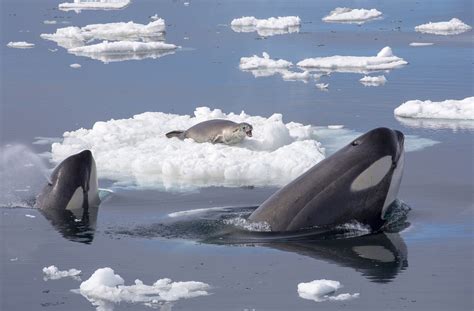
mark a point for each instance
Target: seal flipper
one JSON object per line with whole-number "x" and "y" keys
{"x": 179, "y": 134}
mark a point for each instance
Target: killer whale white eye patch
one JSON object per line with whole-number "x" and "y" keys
{"x": 372, "y": 175}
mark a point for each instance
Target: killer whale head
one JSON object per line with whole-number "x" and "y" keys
{"x": 357, "y": 183}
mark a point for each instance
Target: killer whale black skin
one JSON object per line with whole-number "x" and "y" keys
{"x": 71, "y": 195}
{"x": 358, "y": 182}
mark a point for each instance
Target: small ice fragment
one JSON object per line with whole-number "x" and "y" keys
{"x": 373, "y": 81}
{"x": 449, "y": 109}
{"x": 14, "y": 259}
{"x": 347, "y": 15}
{"x": 79, "y": 5}
{"x": 20, "y": 45}
{"x": 53, "y": 50}
{"x": 154, "y": 17}
{"x": 453, "y": 27}
{"x": 30, "y": 216}
{"x": 186, "y": 3}
{"x": 421, "y": 43}
{"x": 323, "y": 290}
{"x": 322, "y": 86}
{"x": 50, "y": 22}
{"x": 75, "y": 66}
{"x": 335, "y": 127}
{"x": 53, "y": 273}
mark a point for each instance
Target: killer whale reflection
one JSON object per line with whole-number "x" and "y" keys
{"x": 379, "y": 256}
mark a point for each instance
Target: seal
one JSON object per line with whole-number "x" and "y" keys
{"x": 357, "y": 183}
{"x": 215, "y": 131}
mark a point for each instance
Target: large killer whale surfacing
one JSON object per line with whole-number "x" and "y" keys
{"x": 357, "y": 183}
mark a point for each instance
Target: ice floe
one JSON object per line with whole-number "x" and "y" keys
{"x": 384, "y": 60}
{"x": 53, "y": 273}
{"x": 347, "y": 15}
{"x": 453, "y": 27}
{"x": 267, "y": 27}
{"x": 79, "y": 5}
{"x": 75, "y": 66}
{"x": 323, "y": 290}
{"x": 105, "y": 288}
{"x": 421, "y": 43}
{"x": 20, "y": 45}
{"x": 449, "y": 109}
{"x": 124, "y": 50}
{"x": 373, "y": 81}
{"x": 322, "y": 86}
{"x": 265, "y": 67}
{"x": 135, "y": 151}
{"x": 70, "y": 37}
{"x": 50, "y": 22}
{"x": 30, "y": 216}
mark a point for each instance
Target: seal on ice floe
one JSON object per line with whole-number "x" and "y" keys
{"x": 215, "y": 131}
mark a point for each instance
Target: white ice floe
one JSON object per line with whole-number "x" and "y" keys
{"x": 75, "y": 66}
{"x": 323, "y": 290}
{"x": 267, "y": 27}
{"x": 449, "y": 109}
{"x": 265, "y": 67}
{"x": 385, "y": 60}
{"x": 124, "y": 50}
{"x": 421, "y": 43}
{"x": 347, "y": 15}
{"x": 20, "y": 45}
{"x": 154, "y": 17}
{"x": 30, "y": 216}
{"x": 453, "y": 27}
{"x": 53, "y": 273}
{"x": 335, "y": 127}
{"x": 322, "y": 86}
{"x": 136, "y": 152}
{"x": 50, "y": 22}
{"x": 105, "y": 288}
{"x": 71, "y": 37}
{"x": 373, "y": 81}
{"x": 79, "y": 5}
{"x": 186, "y": 3}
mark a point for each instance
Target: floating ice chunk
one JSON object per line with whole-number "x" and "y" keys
{"x": 135, "y": 151}
{"x": 385, "y": 60}
{"x": 373, "y": 81}
{"x": 75, "y": 66}
{"x": 104, "y": 288}
{"x": 265, "y": 62}
{"x": 347, "y": 15}
{"x": 30, "y": 216}
{"x": 124, "y": 50}
{"x": 421, "y": 43}
{"x": 50, "y": 22}
{"x": 53, "y": 50}
{"x": 186, "y": 3}
{"x": 20, "y": 45}
{"x": 70, "y": 37}
{"x": 154, "y": 17}
{"x": 448, "y": 109}
{"x": 335, "y": 127}
{"x": 453, "y": 27}
{"x": 322, "y": 86}
{"x": 53, "y": 273}
{"x": 295, "y": 76}
{"x": 267, "y": 27}
{"x": 323, "y": 290}
{"x": 79, "y": 5}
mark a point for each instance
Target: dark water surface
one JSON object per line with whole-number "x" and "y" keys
{"x": 431, "y": 267}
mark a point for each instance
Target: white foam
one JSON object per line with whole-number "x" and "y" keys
{"x": 53, "y": 273}
{"x": 105, "y": 288}
{"x": 136, "y": 151}
{"x": 75, "y": 66}
{"x": 385, "y": 60}
{"x": 449, "y": 109}
{"x": 50, "y": 22}
{"x": 248, "y": 225}
{"x": 124, "y": 50}
{"x": 373, "y": 81}
{"x": 267, "y": 27}
{"x": 421, "y": 43}
{"x": 79, "y": 5}
{"x": 70, "y": 37}
{"x": 20, "y": 45}
{"x": 347, "y": 15}
{"x": 323, "y": 290}
{"x": 453, "y": 27}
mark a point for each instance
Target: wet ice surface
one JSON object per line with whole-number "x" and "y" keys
{"x": 435, "y": 249}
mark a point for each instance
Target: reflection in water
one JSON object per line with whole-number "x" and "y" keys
{"x": 379, "y": 257}
{"x": 436, "y": 124}
{"x": 77, "y": 225}
{"x": 114, "y": 57}
{"x": 266, "y": 32}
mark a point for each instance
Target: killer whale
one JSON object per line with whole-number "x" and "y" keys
{"x": 357, "y": 183}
